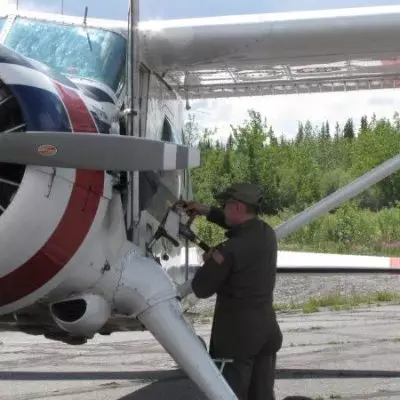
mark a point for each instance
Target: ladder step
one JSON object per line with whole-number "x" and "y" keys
{"x": 223, "y": 361}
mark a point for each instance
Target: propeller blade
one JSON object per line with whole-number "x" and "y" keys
{"x": 94, "y": 151}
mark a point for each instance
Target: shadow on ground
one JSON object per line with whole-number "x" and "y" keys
{"x": 175, "y": 375}
{"x": 181, "y": 388}
{"x": 176, "y": 388}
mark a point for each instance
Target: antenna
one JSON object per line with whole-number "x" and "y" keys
{"x": 17, "y": 5}
{"x": 85, "y": 28}
{"x": 85, "y": 16}
{"x": 62, "y": 7}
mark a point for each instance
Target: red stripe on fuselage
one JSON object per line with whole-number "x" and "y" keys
{"x": 395, "y": 262}
{"x": 74, "y": 224}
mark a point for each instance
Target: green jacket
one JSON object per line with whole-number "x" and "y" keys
{"x": 244, "y": 318}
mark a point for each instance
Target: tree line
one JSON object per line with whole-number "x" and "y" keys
{"x": 294, "y": 173}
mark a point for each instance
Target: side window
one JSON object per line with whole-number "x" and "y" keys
{"x": 183, "y": 138}
{"x": 167, "y": 135}
{"x": 148, "y": 235}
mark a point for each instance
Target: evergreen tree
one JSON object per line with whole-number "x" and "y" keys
{"x": 348, "y": 130}
{"x": 327, "y": 130}
{"x": 308, "y": 130}
{"x": 364, "y": 124}
{"x": 300, "y": 133}
{"x": 337, "y": 132}
{"x": 229, "y": 143}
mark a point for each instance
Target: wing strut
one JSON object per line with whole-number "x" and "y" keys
{"x": 325, "y": 205}
{"x": 132, "y": 122}
{"x": 340, "y": 196}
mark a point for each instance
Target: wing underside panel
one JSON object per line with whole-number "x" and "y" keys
{"x": 272, "y": 54}
{"x": 239, "y": 83}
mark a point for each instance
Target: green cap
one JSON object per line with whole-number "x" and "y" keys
{"x": 243, "y": 192}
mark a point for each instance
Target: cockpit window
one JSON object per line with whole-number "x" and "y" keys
{"x": 90, "y": 53}
{"x": 2, "y": 21}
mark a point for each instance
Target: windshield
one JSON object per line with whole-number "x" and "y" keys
{"x": 2, "y": 20}
{"x": 93, "y": 53}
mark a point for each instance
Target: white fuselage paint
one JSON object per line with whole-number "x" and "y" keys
{"x": 41, "y": 202}
{"x": 33, "y": 215}
{"x": 20, "y": 75}
{"x": 105, "y": 241}
{"x": 84, "y": 269}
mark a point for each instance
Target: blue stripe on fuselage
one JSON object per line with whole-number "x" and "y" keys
{"x": 95, "y": 93}
{"x": 41, "y": 109}
{"x": 102, "y": 126}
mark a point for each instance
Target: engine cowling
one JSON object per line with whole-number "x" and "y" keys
{"x": 33, "y": 201}
{"x": 45, "y": 213}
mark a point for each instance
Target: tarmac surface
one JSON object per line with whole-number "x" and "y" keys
{"x": 347, "y": 355}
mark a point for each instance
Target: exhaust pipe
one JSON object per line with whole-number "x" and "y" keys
{"x": 83, "y": 314}
{"x": 147, "y": 293}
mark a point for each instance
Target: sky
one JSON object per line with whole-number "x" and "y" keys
{"x": 282, "y": 112}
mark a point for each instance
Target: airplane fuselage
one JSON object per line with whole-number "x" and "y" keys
{"x": 63, "y": 230}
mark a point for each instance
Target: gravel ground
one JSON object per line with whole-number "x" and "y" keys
{"x": 346, "y": 355}
{"x": 299, "y": 288}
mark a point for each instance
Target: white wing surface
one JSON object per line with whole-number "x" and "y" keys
{"x": 280, "y": 53}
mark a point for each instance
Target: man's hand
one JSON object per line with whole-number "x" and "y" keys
{"x": 214, "y": 254}
{"x": 193, "y": 208}
{"x": 207, "y": 256}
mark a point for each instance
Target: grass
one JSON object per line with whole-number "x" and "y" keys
{"x": 312, "y": 328}
{"x": 337, "y": 302}
{"x": 331, "y": 302}
{"x": 332, "y": 396}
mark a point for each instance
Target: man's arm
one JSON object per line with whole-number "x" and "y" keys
{"x": 209, "y": 278}
{"x": 213, "y": 214}
{"x": 216, "y": 216}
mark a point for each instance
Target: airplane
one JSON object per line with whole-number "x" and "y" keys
{"x": 92, "y": 157}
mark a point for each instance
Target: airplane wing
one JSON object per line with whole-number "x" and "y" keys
{"x": 297, "y": 262}
{"x": 279, "y": 53}
{"x": 323, "y": 263}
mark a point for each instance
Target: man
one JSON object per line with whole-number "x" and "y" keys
{"x": 241, "y": 271}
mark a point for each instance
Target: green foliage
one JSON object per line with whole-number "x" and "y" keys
{"x": 294, "y": 174}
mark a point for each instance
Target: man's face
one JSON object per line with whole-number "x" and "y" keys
{"x": 233, "y": 211}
